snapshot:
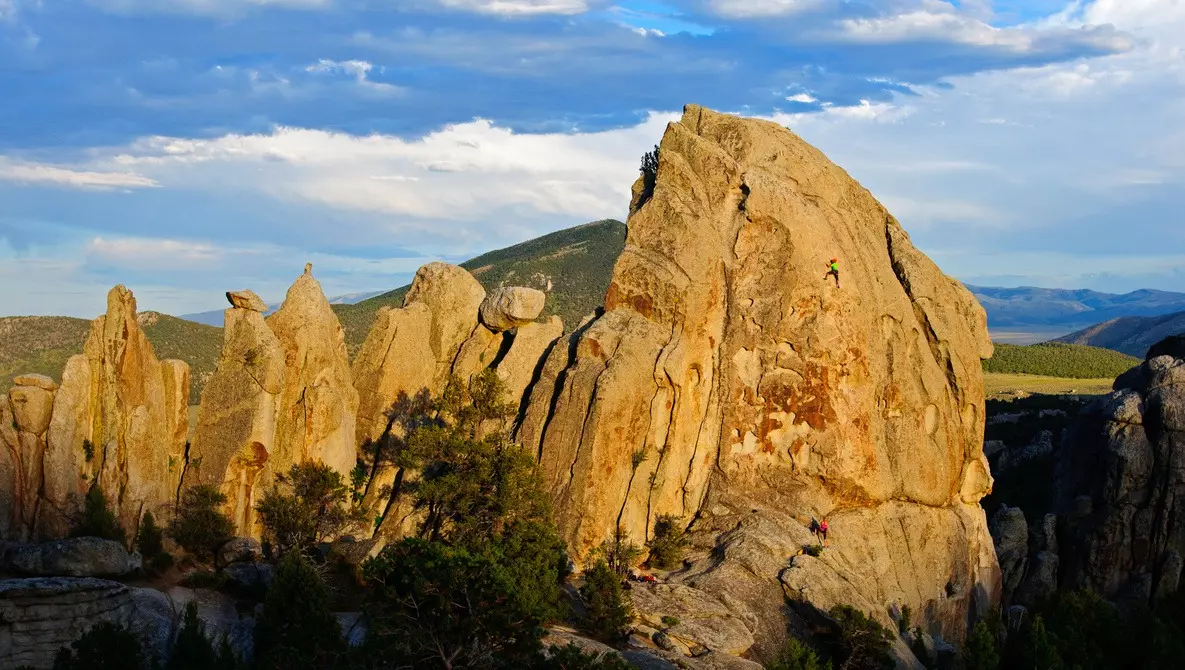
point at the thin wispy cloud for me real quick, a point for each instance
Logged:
(34, 174)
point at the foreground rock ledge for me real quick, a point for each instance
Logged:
(728, 381)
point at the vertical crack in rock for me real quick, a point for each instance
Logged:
(938, 348)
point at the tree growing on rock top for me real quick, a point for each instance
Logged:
(649, 171)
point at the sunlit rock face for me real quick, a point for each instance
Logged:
(728, 381)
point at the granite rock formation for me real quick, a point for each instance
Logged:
(1120, 483)
(729, 384)
(118, 421)
(442, 332)
(39, 616)
(282, 394)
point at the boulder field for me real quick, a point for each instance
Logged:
(726, 383)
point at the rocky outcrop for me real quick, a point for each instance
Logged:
(1010, 533)
(236, 423)
(247, 300)
(1120, 480)
(39, 616)
(726, 376)
(25, 414)
(319, 403)
(73, 557)
(282, 394)
(118, 420)
(414, 347)
(443, 331)
(239, 550)
(511, 307)
(522, 362)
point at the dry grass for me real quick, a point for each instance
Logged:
(999, 385)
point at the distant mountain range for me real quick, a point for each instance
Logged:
(1132, 335)
(574, 266)
(1030, 307)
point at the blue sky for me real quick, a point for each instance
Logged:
(188, 147)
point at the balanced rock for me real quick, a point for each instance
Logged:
(1120, 482)
(436, 336)
(246, 300)
(510, 307)
(727, 373)
(236, 425)
(283, 394)
(37, 381)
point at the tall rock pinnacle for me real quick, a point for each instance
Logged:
(727, 376)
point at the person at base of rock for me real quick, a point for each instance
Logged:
(833, 270)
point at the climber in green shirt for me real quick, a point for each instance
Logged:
(833, 271)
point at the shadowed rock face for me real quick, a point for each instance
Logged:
(1120, 477)
(726, 376)
(39, 616)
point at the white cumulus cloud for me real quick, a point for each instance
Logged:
(151, 253)
(461, 173)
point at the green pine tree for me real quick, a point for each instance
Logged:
(192, 650)
(296, 630)
(608, 612)
(97, 520)
(981, 650)
(796, 655)
(107, 646)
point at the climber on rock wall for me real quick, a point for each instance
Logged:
(833, 270)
